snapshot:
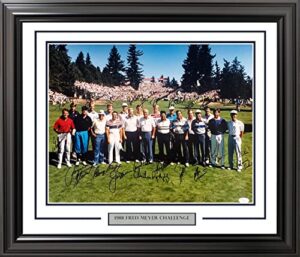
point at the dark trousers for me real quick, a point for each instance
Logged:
(164, 141)
(153, 146)
(132, 146)
(207, 147)
(191, 146)
(180, 142)
(200, 143)
(147, 153)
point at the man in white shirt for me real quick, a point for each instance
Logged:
(156, 116)
(147, 133)
(163, 137)
(235, 134)
(124, 111)
(191, 141)
(114, 132)
(109, 111)
(93, 115)
(207, 117)
(130, 123)
(98, 132)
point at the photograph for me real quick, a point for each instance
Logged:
(151, 122)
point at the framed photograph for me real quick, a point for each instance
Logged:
(149, 128)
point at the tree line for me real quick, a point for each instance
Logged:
(201, 73)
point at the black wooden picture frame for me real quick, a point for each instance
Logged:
(283, 12)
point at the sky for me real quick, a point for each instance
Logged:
(165, 59)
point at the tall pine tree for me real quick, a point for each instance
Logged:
(174, 83)
(113, 71)
(190, 66)
(205, 68)
(80, 65)
(134, 72)
(217, 77)
(61, 76)
(234, 83)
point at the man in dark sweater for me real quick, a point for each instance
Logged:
(218, 127)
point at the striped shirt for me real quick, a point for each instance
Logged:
(180, 126)
(199, 126)
(114, 126)
(163, 126)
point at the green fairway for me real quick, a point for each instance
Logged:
(132, 183)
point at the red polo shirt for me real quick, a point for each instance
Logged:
(64, 125)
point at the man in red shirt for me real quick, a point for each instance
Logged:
(63, 127)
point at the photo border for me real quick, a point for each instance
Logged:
(253, 43)
(284, 243)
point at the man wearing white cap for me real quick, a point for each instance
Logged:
(98, 133)
(235, 134)
(124, 111)
(171, 116)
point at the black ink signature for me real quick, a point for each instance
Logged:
(199, 173)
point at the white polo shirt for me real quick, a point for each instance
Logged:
(93, 115)
(130, 123)
(190, 126)
(146, 125)
(163, 127)
(99, 126)
(235, 127)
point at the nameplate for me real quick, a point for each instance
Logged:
(152, 219)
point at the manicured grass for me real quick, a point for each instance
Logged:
(132, 183)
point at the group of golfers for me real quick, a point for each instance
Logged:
(131, 135)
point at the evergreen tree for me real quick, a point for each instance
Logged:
(205, 68)
(80, 64)
(61, 76)
(134, 72)
(152, 79)
(248, 87)
(226, 80)
(89, 70)
(217, 77)
(168, 82)
(234, 83)
(190, 66)
(113, 71)
(174, 83)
